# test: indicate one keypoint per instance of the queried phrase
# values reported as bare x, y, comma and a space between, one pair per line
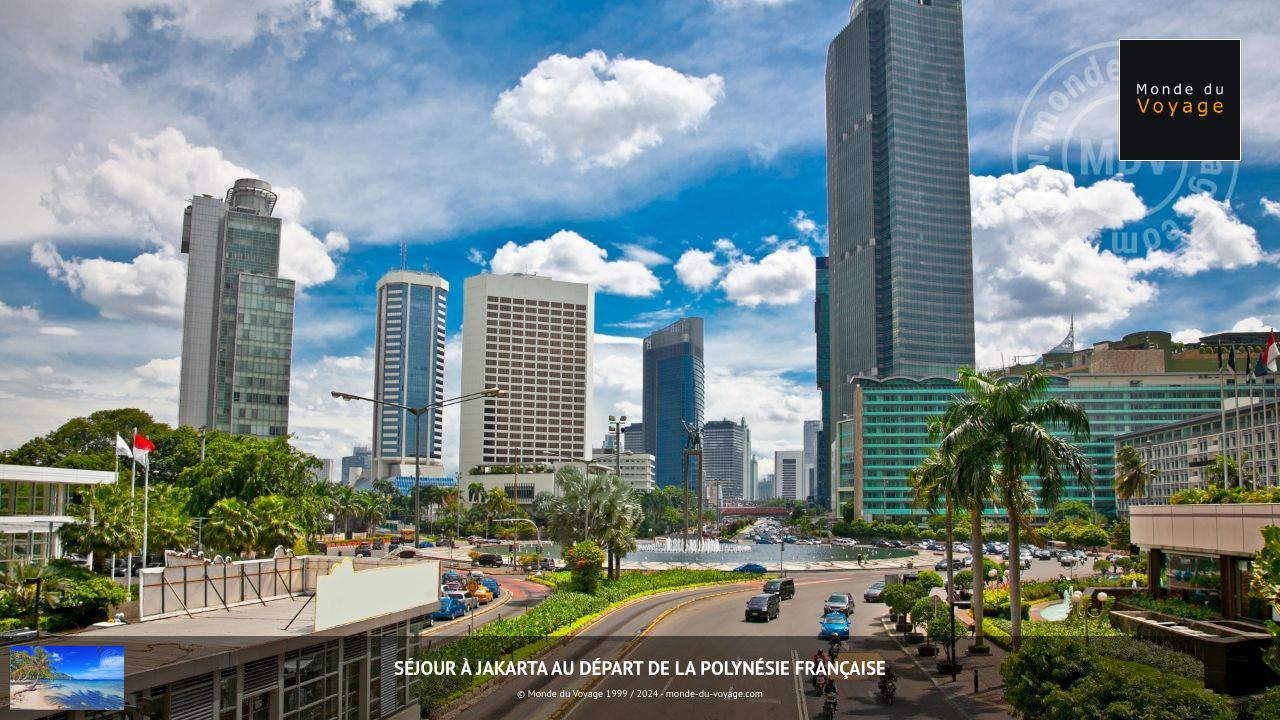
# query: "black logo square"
1180, 100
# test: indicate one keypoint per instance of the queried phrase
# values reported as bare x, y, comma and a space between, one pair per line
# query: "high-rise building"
726, 446
752, 491
811, 430
409, 370
324, 473
237, 324
767, 488
531, 337
356, 466
633, 437
900, 266
822, 328
673, 395
788, 472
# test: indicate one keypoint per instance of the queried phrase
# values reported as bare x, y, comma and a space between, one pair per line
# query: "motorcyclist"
830, 701
888, 679
833, 650
820, 681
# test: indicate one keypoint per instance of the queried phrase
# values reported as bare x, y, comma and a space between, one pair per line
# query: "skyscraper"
726, 446
356, 466
633, 437
237, 324
811, 430
673, 395
788, 467
900, 267
531, 337
822, 328
409, 367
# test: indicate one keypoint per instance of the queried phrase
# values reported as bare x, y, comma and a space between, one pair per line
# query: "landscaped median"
566, 611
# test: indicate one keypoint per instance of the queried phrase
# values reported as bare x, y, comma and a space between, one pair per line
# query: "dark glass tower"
901, 264
673, 394
822, 328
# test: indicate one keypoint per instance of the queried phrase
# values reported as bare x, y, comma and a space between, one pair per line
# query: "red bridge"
755, 511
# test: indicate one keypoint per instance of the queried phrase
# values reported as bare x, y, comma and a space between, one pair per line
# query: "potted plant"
921, 613
900, 600
940, 629
889, 596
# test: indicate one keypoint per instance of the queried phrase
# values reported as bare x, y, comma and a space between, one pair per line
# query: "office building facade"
726, 448
822, 331
409, 367
788, 474
673, 396
638, 469
530, 336
633, 437
237, 329
33, 508
811, 430
900, 266
357, 466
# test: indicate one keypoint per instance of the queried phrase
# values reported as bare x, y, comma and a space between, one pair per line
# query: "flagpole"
1222, 419
1235, 394
133, 487
146, 517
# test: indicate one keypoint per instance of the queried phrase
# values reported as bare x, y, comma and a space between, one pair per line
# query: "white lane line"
664, 687
800, 713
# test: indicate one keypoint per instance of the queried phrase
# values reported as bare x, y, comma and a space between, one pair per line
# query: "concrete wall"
1205, 529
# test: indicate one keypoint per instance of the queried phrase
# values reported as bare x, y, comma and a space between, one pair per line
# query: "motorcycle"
829, 706
833, 650
888, 686
819, 682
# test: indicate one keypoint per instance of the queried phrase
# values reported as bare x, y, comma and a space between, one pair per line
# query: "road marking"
800, 713
668, 684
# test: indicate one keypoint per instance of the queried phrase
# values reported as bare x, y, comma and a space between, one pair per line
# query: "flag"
1231, 365
142, 448
1219, 358
122, 447
1248, 364
1270, 353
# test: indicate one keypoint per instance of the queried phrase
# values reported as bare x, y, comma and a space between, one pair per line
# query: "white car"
469, 601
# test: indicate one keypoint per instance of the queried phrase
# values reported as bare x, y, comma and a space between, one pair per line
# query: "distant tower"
673, 394
237, 324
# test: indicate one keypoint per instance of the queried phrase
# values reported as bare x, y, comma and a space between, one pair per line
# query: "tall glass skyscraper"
237, 327
822, 328
673, 392
726, 445
409, 366
900, 265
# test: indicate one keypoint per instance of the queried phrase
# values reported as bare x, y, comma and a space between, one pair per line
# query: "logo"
1068, 121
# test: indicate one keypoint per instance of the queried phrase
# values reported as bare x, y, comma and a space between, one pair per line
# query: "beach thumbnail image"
66, 677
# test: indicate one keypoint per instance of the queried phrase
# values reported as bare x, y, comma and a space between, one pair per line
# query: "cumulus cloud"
782, 277
644, 255
1249, 324
384, 11
1217, 240
26, 312
138, 191
475, 256
1270, 207
596, 111
1189, 335
161, 371
567, 255
807, 228
697, 270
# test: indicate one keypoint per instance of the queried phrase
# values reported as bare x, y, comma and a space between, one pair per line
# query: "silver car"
469, 601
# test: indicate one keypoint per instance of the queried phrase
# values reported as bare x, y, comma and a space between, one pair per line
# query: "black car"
364, 550
785, 588
489, 560
956, 564
764, 606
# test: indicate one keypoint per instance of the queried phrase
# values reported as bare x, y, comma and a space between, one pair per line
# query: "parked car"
364, 550
1043, 554
956, 564
547, 564
838, 602
450, 608
426, 544
751, 568
765, 606
874, 592
784, 587
137, 567
489, 560
465, 598
833, 625
1068, 560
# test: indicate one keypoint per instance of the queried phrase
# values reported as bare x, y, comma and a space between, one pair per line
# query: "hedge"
1170, 606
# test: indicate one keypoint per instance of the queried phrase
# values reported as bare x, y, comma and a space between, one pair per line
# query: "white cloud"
59, 330
139, 192
150, 287
1189, 335
697, 270
321, 424
162, 371
384, 11
782, 277
1038, 260
1217, 240
109, 667
567, 255
653, 319
644, 255
1250, 324
26, 312
736, 4
1270, 207
807, 228
595, 111
475, 256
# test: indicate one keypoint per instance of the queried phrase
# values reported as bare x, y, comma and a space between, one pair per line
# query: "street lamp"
991, 575
615, 427
1087, 611
536, 529
38, 582
417, 439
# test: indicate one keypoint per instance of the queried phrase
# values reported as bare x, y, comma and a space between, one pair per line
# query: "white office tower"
409, 370
788, 470
531, 337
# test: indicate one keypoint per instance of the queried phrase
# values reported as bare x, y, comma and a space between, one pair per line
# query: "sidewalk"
988, 703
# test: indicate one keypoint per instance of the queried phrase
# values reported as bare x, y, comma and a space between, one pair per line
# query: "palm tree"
231, 526
34, 665
276, 522
568, 513
1132, 474
934, 481
373, 507
476, 492
112, 531
496, 504
1006, 427
620, 514
342, 503
433, 496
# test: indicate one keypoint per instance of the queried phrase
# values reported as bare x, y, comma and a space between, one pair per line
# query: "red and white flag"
142, 448
1270, 353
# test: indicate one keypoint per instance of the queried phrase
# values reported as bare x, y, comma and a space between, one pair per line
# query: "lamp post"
991, 575
1087, 611
38, 582
615, 427
417, 450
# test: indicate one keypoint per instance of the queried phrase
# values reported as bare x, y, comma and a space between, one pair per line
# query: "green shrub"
930, 579
1263, 707
1150, 654
1123, 697
921, 612
1041, 667
1170, 606
940, 626
584, 561
11, 623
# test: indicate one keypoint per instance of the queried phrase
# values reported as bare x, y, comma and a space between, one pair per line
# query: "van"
784, 588
765, 606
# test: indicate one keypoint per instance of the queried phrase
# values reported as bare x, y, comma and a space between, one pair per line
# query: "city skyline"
713, 205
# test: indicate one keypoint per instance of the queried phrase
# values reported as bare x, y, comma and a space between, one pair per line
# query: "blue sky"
671, 153
88, 662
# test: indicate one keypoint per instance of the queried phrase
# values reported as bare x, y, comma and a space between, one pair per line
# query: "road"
708, 624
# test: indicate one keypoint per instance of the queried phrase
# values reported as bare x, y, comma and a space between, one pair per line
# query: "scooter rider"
833, 650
